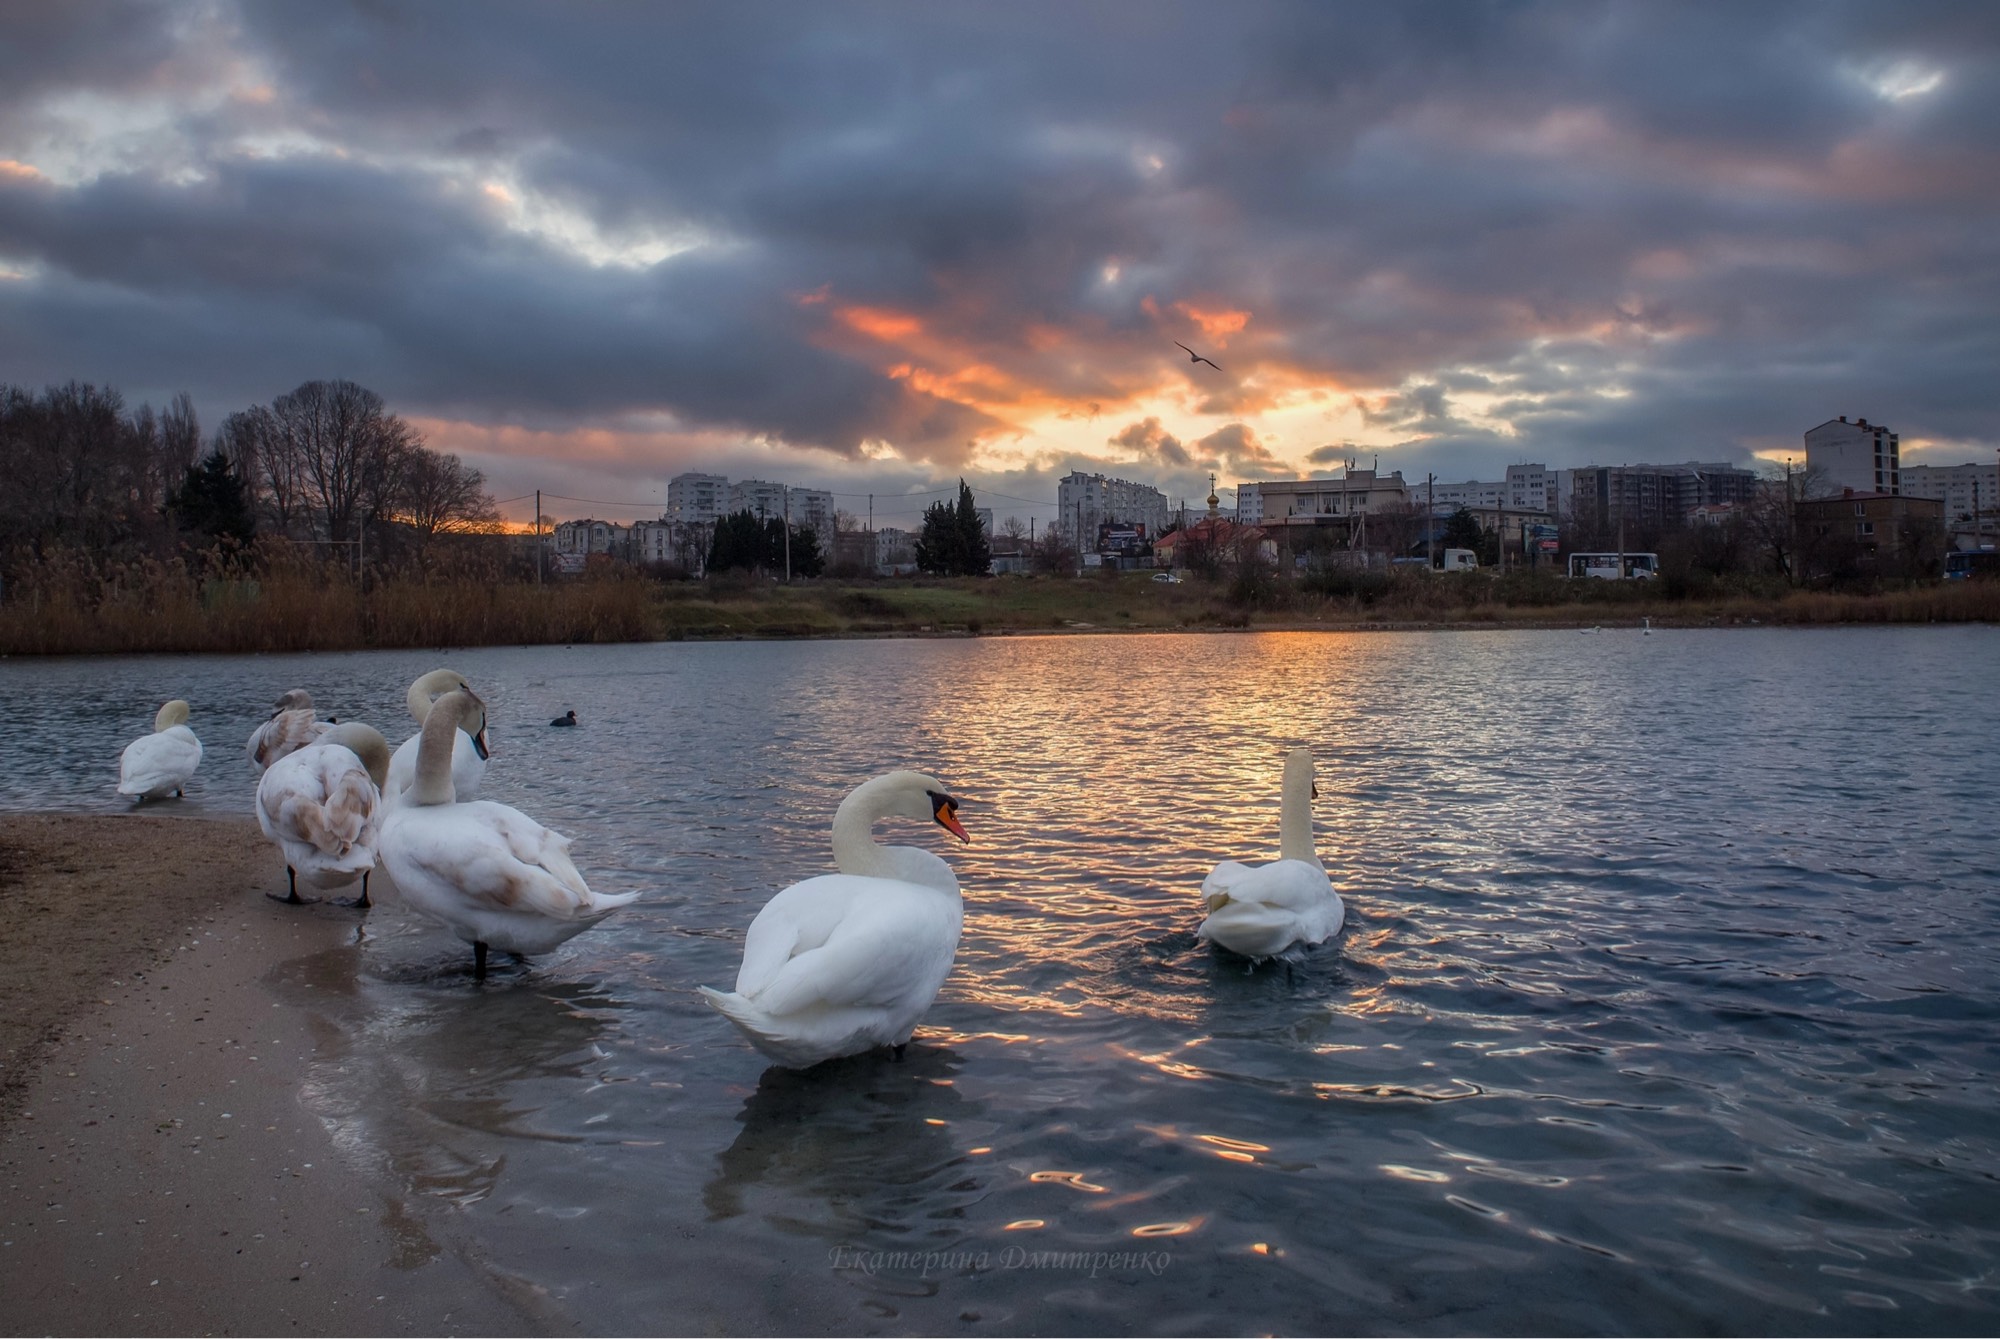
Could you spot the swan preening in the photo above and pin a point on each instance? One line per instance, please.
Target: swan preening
(322, 805)
(493, 876)
(1260, 911)
(160, 764)
(468, 764)
(844, 962)
(290, 728)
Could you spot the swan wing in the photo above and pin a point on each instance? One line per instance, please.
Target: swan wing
(893, 946)
(1292, 885)
(497, 859)
(798, 918)
(162, 761)
(1215, 889)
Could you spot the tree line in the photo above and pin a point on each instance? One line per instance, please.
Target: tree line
(326, 462)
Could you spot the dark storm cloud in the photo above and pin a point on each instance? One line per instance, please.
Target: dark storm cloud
(1623, 231)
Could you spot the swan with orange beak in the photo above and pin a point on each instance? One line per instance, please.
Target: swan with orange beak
(841, 963)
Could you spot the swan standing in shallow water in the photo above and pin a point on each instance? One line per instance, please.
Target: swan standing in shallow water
(290, 728)
(1260, 911)
(493, 876)
(468, 764)
(323, 807)
(844, 962)
(161, 764)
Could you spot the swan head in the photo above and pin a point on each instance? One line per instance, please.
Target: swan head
(366, 743)
(173, 714)
(293, 700)
(463, 708)
(430, 686)
(913, 795)
(1299, 772)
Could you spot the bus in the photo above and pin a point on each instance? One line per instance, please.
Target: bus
(1614, 566)
(1972, 565)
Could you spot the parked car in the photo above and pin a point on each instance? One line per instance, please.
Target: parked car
(1170, 578)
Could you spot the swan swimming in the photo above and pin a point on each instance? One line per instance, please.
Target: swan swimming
(321, 804)
(493, 876)
(1260, 911)
(468, 764)
(161, 764)
(290, 728)
(840, 963)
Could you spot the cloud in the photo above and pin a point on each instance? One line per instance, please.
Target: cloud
(877, 242)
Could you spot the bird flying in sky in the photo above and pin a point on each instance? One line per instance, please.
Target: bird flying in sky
(1195, 357)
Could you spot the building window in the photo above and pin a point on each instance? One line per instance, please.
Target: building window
(1861, 509)
(1863, 529)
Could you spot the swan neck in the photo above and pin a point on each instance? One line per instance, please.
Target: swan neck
(1295, 822)
(428, 688)
(434, 745)
(854, 847)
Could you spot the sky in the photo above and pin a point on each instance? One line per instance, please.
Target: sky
(878, 247)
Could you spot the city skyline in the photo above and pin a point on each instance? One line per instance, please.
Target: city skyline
(878, 248)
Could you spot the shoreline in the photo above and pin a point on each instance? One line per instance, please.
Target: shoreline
(289, 617)
(159, 1171)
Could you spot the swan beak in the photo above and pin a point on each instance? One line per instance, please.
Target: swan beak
(479, 744)
(945, 810)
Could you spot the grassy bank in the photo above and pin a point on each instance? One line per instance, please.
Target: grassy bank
(162, 608)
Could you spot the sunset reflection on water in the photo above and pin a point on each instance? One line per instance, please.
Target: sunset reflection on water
(1646, 999)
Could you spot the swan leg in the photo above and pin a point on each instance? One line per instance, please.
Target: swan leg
(292, 882)
(896, 1051)
(479, 959)
(360, 903)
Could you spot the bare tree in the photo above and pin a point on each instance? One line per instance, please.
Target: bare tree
(345, 443)
(180, 439)
(440, 494)
(269, 460)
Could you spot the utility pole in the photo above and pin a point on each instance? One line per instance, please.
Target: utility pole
(788, 534)
(538, 537)
(1431, 518)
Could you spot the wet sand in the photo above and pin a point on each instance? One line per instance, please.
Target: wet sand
(159, 1173)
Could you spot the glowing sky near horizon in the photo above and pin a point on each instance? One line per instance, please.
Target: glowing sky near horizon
(877, 247)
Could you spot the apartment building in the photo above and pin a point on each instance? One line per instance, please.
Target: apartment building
(1966, 490)
(1859, 455)
(1088, 501)
(698, 499)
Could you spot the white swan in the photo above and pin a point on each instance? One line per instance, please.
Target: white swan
(468, 764)
(160, 764)
(1262, 910)
(290, 728)
(321, 804)
(492, 875)
(843, 962)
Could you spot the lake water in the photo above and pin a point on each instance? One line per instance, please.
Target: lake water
(1668, 1001)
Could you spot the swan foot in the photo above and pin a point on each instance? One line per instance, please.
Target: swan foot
(360, 903)
(291, 898)
(479, 960)
(896, 1051)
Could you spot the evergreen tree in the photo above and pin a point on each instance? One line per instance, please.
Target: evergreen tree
(1462, 531)
(952, 542)
(212, 500)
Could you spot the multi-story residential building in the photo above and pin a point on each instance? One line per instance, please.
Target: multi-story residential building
(1880, 524)
(894, 548)
(1087, 501)
(760, 497)
(1249, 504)
(1294, 502)
(1859, 455)
(1966, 490)
(589, 536)
(1530, 488)
(812, 509)
(697, 498)
(1471, 495)
(1606, 496)
(652, 541)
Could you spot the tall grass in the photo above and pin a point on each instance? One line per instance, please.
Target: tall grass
(281, 600)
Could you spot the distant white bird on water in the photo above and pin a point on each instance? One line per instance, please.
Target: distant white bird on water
(1260, 911)
(161, 764)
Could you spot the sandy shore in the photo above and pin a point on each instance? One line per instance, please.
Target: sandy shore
(158, 1171)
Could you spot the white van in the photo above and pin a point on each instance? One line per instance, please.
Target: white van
(1460, 560)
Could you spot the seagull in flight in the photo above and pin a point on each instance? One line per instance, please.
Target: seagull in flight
(1195, 357)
